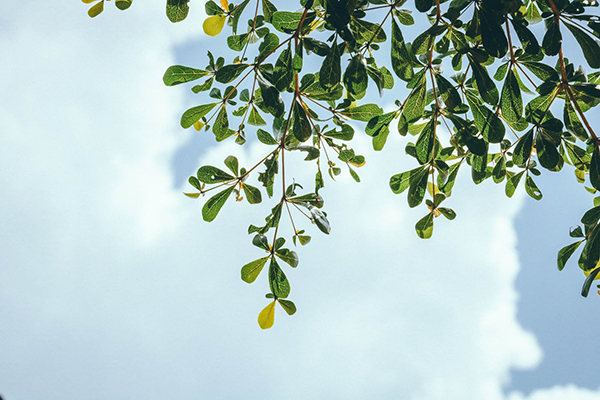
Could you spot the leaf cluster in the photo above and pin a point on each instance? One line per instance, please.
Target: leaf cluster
(511, 106)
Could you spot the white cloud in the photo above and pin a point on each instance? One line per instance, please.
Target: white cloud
(569, 392)
(112, 286)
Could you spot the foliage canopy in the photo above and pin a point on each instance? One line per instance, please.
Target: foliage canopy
(512, 105)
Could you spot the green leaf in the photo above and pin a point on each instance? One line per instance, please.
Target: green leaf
(214, 204)
(485, 85)
(273, 104)
(424, 226)
(400, 182)
(415, 104)
(301, 127)
(595, 170)
(542, 71)
(261, 242)
(363, 112)
(193, 115)
(283, 73)
(552, 38)
(123, 4)
(355, 76)
(288, 306)
(565, 253)
(265, 137)
(347, 133)
(254, 117)
(177, 74)
(417, 188)
(177, 10)
(330, 73)
(278, 282)
(588, 281)
(591, 217)
(512, 182)
(447, 92)
(252, 193)
(523, 148)
(209, 174)
(237, 42)
(288, 256)
(251, 270)
(401, 59)
(572, 122)
(511, 102)
(221, 125)
(320, 220)
(447, 212)
(229, 72)
(287, 22)
(532, 189)
(426, 144)
(489, 124)
(589, 46)
(492, 35)
(546, 151)
(424, 5)
(268, 10)
(232, 163)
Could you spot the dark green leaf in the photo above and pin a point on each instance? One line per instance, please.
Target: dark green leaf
(355, 76)
(252, 193)
(588, 282)
(287, 305)
(209, 174)
(229, 72)
(565, 253)
(511, 102)
(283, 73)
(279, 284)
(214, 204)
(595, 170)
(532, 189)
(301, 127)
(288, 256)
(512, 182)
(485, 85)
(425, 146)
(552, 38)
(590, 47)
(523, 148)
(415, 104)
(401, 59)
(547, 152)
(177, 10)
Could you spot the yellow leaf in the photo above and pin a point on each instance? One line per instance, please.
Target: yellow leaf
(198, 125)
(88, 1)
(587, 273)
(225, 5)
(193, 195)
(213, 25)
(266, 318)
(96, 9)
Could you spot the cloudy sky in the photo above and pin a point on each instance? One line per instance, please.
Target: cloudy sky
(112, 286)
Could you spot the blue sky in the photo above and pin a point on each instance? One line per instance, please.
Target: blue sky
(112, 286)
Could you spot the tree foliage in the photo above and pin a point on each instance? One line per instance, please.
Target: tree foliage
(511, 105)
